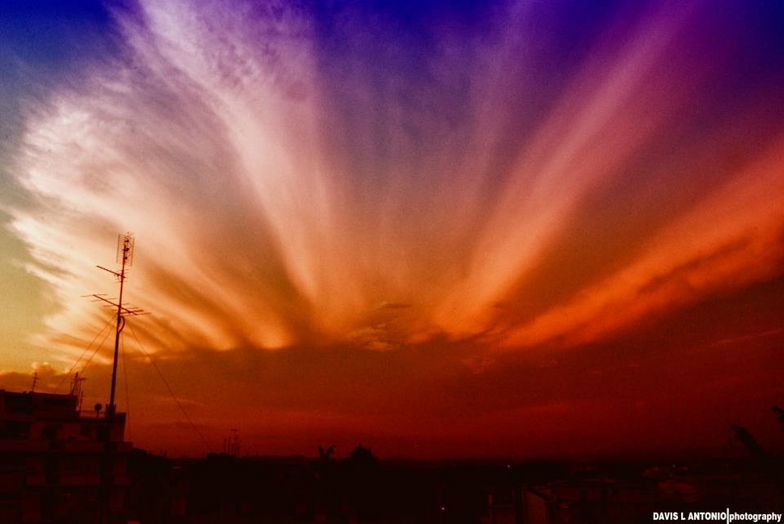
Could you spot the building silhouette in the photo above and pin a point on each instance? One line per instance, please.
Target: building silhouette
(61, 464)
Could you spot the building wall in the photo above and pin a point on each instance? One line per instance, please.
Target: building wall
(57, 465)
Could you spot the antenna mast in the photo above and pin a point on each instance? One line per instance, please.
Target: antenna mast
(125, 245)
(76, 390)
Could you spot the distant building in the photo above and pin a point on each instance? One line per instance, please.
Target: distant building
(588, 501)
(59, 464)
(714, 485)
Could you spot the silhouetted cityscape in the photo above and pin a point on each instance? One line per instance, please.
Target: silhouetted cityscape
(62, 465)
(391, 261)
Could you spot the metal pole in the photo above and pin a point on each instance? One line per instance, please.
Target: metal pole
(120, 324)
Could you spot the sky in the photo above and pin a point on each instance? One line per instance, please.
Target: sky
(441, 229)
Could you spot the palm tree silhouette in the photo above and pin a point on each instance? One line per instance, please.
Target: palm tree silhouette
(780, 412)
(745, 437)
(324, 454)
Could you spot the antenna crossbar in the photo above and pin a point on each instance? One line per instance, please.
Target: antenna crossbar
(125, 244)
(131, 311)
(115, 273)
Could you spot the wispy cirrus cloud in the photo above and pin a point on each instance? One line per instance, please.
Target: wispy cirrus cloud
(211, 136)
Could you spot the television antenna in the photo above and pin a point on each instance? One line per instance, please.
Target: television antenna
(125, 244)
(76, 390)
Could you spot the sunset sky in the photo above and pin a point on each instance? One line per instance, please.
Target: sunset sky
(475, 228)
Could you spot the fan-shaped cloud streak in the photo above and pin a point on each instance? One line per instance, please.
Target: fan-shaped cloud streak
(491, 179)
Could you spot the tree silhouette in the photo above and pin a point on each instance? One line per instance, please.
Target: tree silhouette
(362, 457)
(745, 437)
(780, 412)
(362, 482)
(325, 494)
(324, 454)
